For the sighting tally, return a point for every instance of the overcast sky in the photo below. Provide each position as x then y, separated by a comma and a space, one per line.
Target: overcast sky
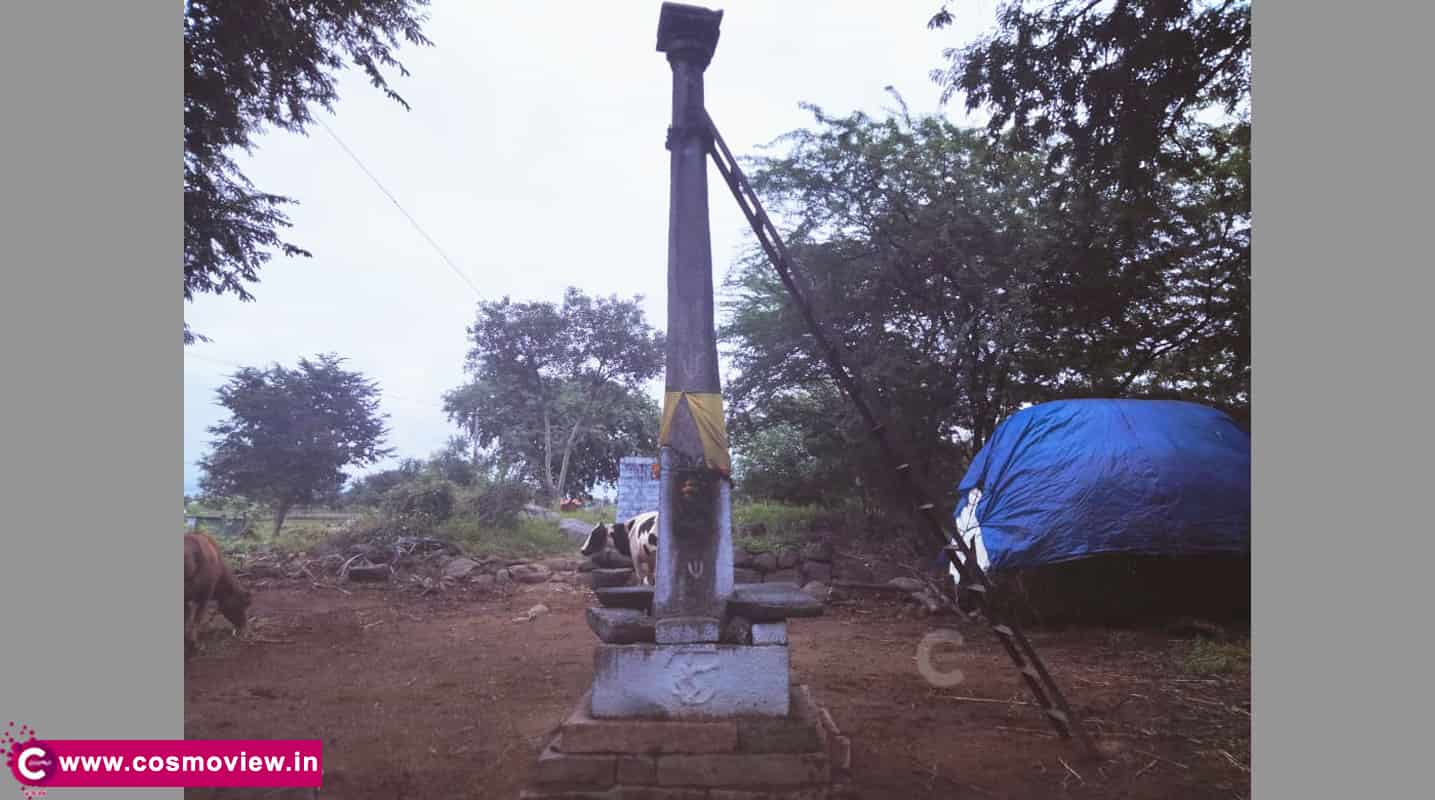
533, 156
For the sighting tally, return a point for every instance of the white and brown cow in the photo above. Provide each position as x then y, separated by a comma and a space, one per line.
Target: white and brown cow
636, 538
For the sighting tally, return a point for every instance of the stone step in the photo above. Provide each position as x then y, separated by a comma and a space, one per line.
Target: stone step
621, 625
772, 602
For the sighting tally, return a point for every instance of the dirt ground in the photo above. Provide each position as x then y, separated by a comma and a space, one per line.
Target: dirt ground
450, 697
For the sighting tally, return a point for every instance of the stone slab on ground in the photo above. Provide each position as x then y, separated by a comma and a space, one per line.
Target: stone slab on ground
744, 575
621, 625
782, 576
605, 578
690, 681
772, 602
635, 597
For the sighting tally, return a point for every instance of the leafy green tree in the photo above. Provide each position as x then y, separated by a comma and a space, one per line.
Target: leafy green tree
1141, 113
291, 432
555, 388
252, 63
1106, 86
963, 284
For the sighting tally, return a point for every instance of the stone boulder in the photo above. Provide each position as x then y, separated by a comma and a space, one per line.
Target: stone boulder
530, 573
459, 568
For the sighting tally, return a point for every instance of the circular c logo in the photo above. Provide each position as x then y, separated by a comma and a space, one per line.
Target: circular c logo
940, 678
35, 764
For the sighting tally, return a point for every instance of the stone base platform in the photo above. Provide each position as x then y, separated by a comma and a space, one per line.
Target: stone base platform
800, 756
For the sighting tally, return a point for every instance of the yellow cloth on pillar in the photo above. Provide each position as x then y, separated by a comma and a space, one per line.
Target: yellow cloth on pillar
706, 408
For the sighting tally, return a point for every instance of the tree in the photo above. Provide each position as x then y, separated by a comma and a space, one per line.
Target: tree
1141, 113
1106, 86
252, 63
555, 389
964, 284
290, 433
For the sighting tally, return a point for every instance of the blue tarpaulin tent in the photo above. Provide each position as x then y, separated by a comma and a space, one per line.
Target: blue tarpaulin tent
1074, 478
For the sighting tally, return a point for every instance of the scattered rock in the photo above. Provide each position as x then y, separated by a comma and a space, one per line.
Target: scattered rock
782, 576
502, 577
736, 630
459, 568
264, 571
533, 613
530, 573
621, 625
816, 571
562, 564
817, 589
370, 573
927, 603
787, 559
540, 512
765, 562
907, 584
576, 530
485, 583
604, 578
741, 559
583, 579
817, 551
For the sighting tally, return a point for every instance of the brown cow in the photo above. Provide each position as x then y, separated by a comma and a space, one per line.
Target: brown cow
207, 577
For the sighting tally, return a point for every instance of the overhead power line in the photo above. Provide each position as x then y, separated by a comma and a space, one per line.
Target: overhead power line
459, 272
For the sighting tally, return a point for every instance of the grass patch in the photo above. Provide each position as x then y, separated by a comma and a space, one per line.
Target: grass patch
1208, 657
297, 536
529, 538
592, 515
785, 525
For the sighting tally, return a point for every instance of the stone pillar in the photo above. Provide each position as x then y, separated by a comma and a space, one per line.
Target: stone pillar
694, 570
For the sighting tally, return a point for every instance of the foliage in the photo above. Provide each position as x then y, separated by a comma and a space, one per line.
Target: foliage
495, 503
592, 515
962, 285
765, 526
555, 392
527, 537
291, 432
252, 63
415, 507
1106, 87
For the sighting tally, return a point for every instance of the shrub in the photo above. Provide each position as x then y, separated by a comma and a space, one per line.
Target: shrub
494, 504
413, 508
